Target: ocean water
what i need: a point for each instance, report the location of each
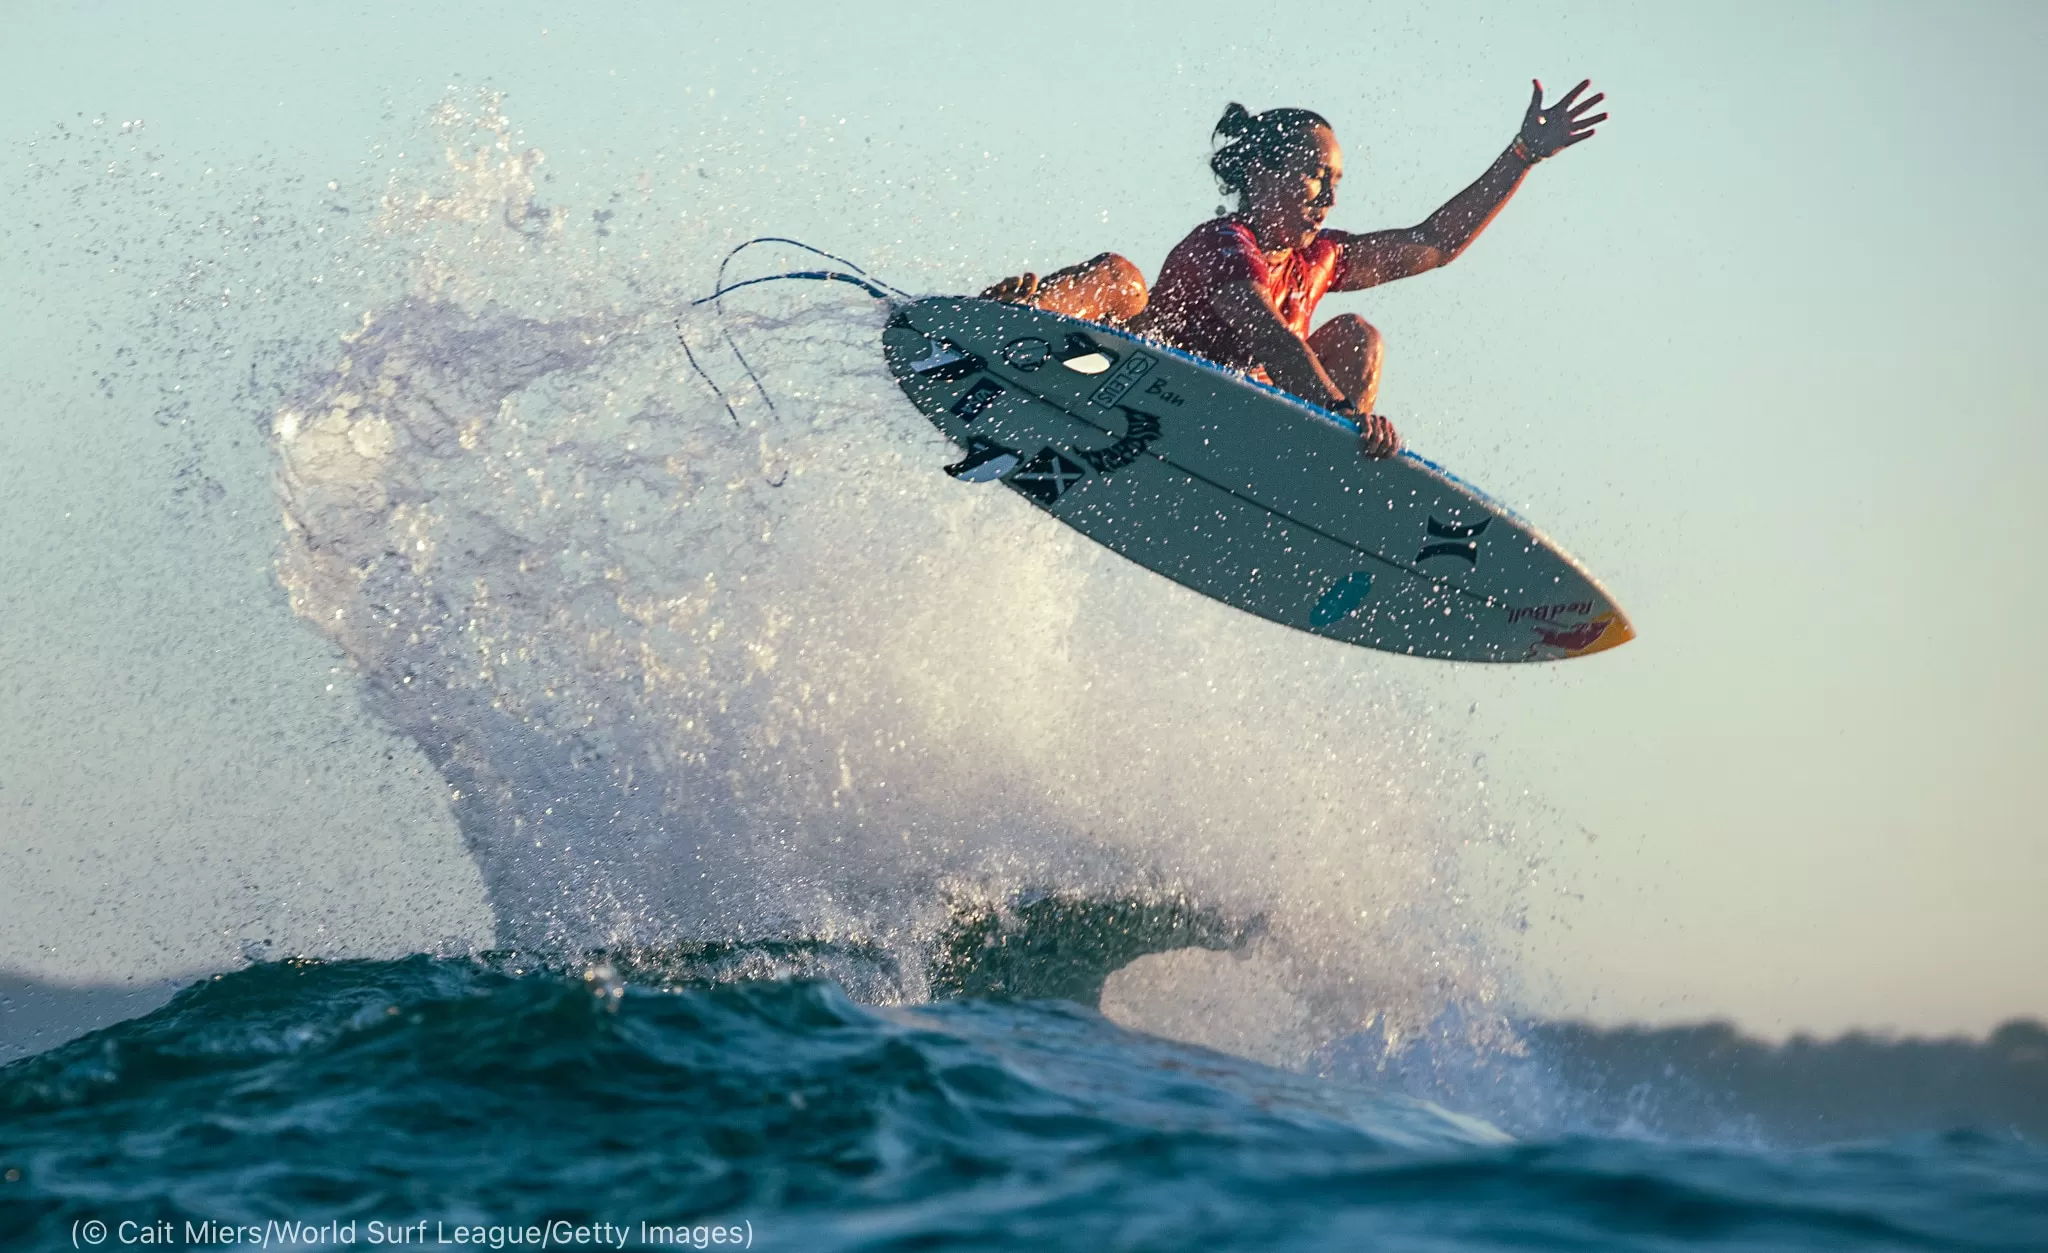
(429, 1101)
(867, 861)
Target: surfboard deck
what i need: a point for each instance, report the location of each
(1241, 491)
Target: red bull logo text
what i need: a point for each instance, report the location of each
(1544, 613)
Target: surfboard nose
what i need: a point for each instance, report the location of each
(1615, 630)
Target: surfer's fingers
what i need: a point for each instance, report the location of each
(1573, 94)
(1376, 436)
(1535, 97)
(1587, 103)
(1587, 123)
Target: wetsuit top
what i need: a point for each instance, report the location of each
(1221, 251)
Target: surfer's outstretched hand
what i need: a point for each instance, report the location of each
(1549, 131)
(1376, 436)
(1019, 290)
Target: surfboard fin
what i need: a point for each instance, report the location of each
(985, 462)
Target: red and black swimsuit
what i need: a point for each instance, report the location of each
(1222, 251)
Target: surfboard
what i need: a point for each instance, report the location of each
(1240, 491)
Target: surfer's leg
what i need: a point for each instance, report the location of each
(1350, 351)
(1104, 288)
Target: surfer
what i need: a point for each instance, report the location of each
(1241, 289)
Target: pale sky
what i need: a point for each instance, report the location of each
(1762, 354)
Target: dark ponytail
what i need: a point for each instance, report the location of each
(1258, 139)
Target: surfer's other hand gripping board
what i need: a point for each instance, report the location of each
(1240, 491)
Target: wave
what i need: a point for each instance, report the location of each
(462, 1091)
(1702, 1082)
(383, 1092)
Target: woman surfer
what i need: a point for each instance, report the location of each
(1240, 289)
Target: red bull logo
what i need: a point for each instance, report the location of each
(1609, 630)
(1544, 613)
(1572, 639)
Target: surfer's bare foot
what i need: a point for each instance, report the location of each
(1376, 436)
(1019, 290)
(1104, 288)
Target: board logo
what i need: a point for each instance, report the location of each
(1046, 477)
(1122, 379)
(1453, 539)
(1608, 630)
(1544, 613)
(1573, 639)
(1140, 430)
(978, 397)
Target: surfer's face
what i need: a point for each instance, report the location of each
(1288, 202)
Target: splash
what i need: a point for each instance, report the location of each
(704, 676)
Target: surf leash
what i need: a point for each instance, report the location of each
(853, 274)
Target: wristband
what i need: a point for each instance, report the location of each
(1521, 150)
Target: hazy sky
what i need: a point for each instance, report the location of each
(1764, 354)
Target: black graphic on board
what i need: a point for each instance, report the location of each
(1140, 430)
(1047, 476)
(978, 397)
(1127, 375)
(1454, 539)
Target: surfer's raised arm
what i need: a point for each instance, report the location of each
(1274, 346)
(1383, 256)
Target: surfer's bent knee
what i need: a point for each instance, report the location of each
(1348, 343)
(1354, 329)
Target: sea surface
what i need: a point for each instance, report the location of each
(348, 1104)
(857, 860)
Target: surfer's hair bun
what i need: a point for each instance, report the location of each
(1252, 139)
